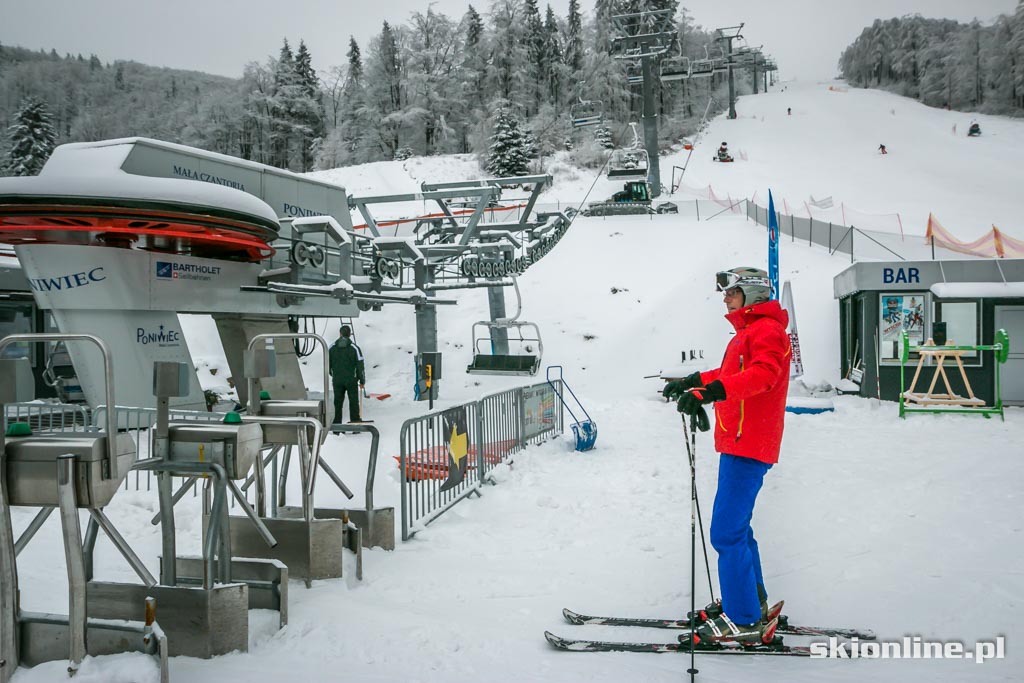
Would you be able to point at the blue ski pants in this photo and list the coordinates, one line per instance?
(739, 564)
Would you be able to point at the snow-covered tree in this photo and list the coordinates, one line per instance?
(31, 138)
(573, 52)
(307, 108)
(509, 153)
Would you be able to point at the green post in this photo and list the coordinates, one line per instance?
(903, 361)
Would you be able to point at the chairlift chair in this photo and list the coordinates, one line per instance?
(719, 65)
(634, 74)
(587, 113)
(701, 68)
(675, 68)
(630, 163)
(526, 342)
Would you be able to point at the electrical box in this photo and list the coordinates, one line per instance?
(433, 359)
(260, 363)
(170, 379)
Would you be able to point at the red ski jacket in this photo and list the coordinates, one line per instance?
(755, 375)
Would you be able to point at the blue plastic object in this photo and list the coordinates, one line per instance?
(804, 410)
(585, 431)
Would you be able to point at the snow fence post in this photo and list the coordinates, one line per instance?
(696, 202)
(478, 408)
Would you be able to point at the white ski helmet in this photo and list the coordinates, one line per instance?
(752, 281)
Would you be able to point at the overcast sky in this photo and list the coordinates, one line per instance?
(221, 36)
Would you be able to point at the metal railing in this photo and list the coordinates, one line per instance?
(55, 417)
(494, 429)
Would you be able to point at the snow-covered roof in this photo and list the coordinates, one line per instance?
(70, 155)
(978, 290)
(119, 185)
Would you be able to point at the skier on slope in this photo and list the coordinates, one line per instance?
(881, 149)
(750, 390)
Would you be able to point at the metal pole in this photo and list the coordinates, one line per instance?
(426, 320)
(732, 87)
(499, 336)
(261, 528)
(72, 532)
(650, 120)
(168, 571)
(30, 531)
(282, 481)
(9, 653)
(115, 537)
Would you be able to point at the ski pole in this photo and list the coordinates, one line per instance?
(691, 449)
(693, 554)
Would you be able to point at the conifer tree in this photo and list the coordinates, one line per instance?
(536, 56)
(31, 137)
(574, 39)
(509, 153)
(308, 107)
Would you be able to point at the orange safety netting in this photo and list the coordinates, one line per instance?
(727, 203)
(993, 244)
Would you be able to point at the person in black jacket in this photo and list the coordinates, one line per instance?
(348, 374)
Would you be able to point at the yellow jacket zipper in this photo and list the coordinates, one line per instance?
(739, 431)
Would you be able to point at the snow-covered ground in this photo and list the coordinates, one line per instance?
(908, 527)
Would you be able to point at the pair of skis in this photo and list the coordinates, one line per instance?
(775, 647)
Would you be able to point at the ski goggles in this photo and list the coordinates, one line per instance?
(726, 280)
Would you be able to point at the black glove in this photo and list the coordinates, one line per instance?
(675, 389)
(694, 399)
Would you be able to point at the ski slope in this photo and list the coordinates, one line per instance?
(907, 527)
(829, 147)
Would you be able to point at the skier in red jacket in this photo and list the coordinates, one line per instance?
(749, 391)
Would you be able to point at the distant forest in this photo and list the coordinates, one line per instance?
(432, 85)
(943, 62)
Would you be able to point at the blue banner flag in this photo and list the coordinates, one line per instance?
(773, 247)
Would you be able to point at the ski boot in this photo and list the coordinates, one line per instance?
(714, 609)
(721, 629)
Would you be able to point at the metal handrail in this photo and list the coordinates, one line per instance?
(109, 472)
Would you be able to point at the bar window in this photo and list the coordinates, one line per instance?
(962, 321)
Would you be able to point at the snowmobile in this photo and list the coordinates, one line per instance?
(634, 199)
(974, 131)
